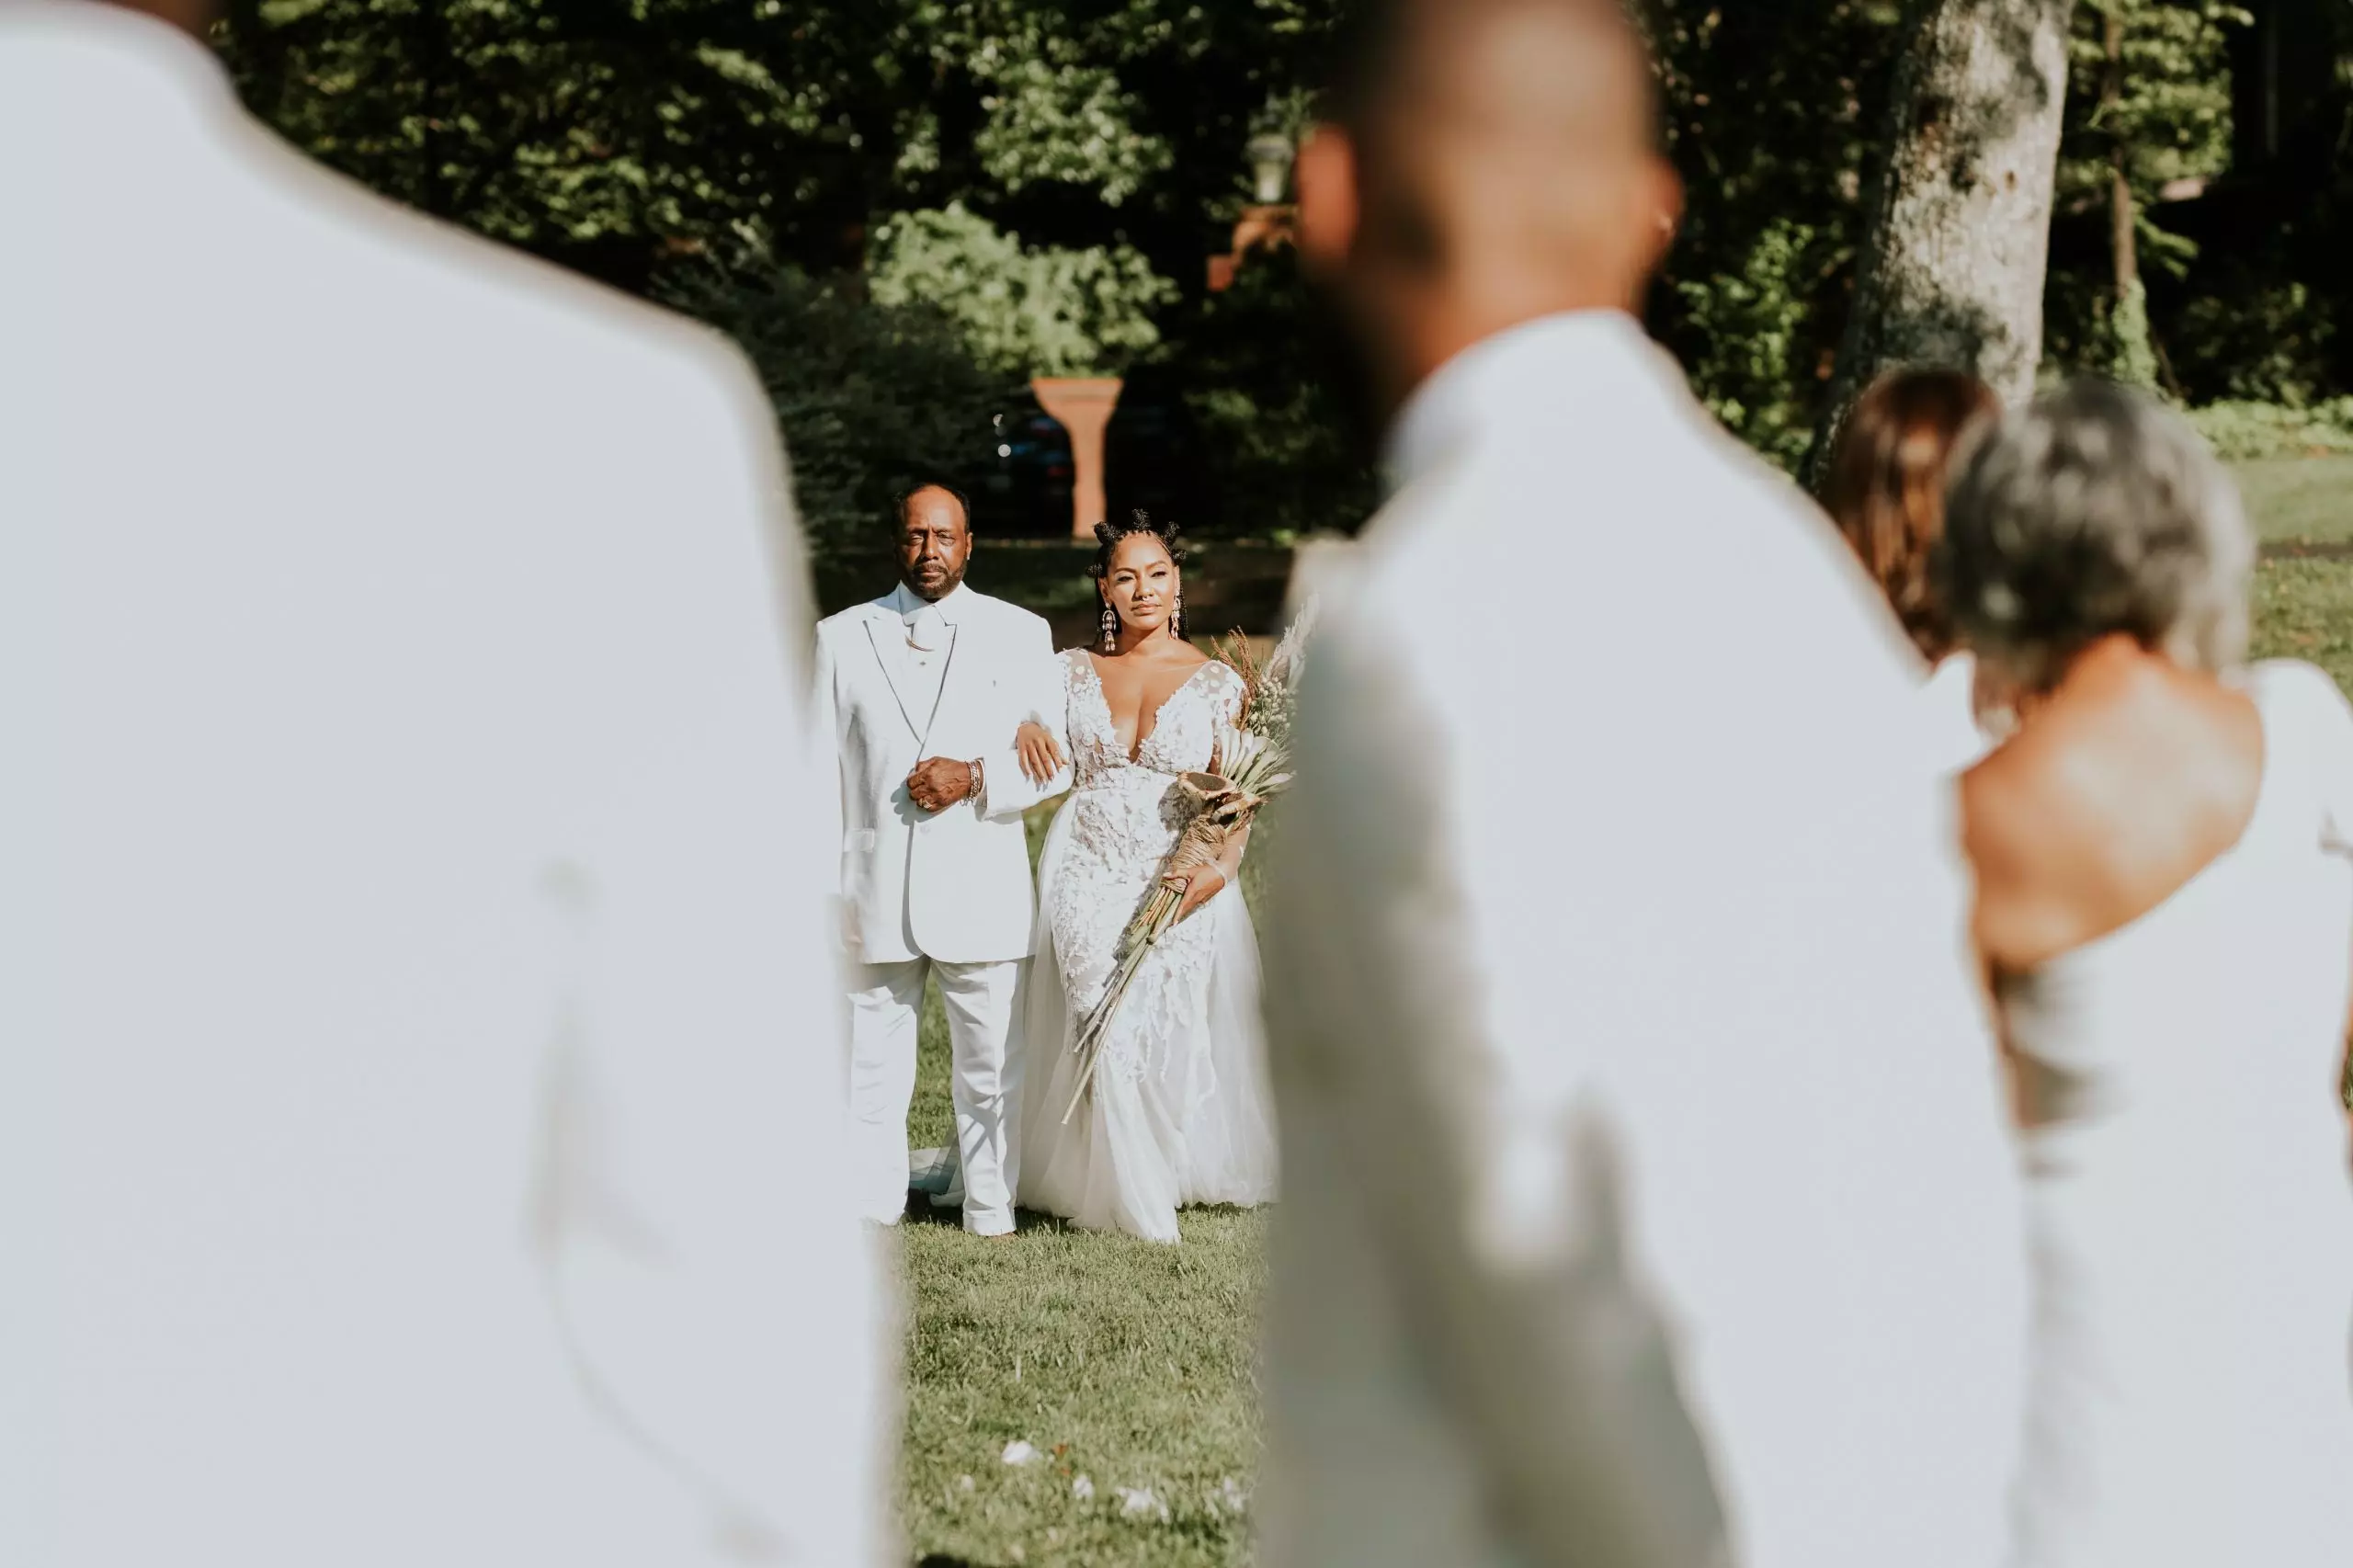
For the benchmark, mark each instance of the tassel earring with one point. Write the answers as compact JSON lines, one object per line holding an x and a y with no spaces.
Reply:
{"x":1176,"y":616}
{"x":1110,"y":629}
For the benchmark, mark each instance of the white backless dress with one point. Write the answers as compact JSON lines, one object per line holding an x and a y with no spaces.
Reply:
{"x":2191,"y":1200}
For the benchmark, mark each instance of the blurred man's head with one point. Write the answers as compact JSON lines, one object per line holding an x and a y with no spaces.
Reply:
{"x":195,"y":15}
{"x":933,"y":540}
{"x":1483,"y":163}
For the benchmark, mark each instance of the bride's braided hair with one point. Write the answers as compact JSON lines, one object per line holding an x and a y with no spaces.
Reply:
{"x":1107,"y":536}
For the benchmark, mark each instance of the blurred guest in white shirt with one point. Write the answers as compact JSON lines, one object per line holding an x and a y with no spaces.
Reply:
{"x":1886,"y":491}
{"x":420,"y":1080}
{"x":1648,"y":1199}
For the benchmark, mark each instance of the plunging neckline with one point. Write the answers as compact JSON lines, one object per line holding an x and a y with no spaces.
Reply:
{"x":1103,"y":701}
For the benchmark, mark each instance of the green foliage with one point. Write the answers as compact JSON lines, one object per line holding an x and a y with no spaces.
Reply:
{"x":633,"y":138}
{"x":869,"y":397}
{"x":1773,"y":116}
{"x":2255,"y":336}
{"x":1038,"y":183}
{"x":619,"y":132}
{"x":1286,"y":458}
{"x":2240,"y":430}
{"x":2166,"y":115}
{"x":1752,"y":324}
{"x":605,"y":132}
{"x":1055,"y":115}
{"x":2173,"y":114}
{"x":1040,"y":311}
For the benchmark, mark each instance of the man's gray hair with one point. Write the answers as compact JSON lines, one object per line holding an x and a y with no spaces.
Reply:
{"x":2094,"y":511}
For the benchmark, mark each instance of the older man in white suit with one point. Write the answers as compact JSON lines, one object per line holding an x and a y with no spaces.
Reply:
{"x":1648,"y":1203}
{"x":918,"y":696}
{"x":416,"y":1143}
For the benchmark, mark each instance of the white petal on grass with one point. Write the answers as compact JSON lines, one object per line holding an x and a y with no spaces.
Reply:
{"x":1021,"y":1452}
{"x":963,"y":1483}
{"x":1082,"y":1489}
{"x":1139,"y":1501}
{"x":1230,"y":1496}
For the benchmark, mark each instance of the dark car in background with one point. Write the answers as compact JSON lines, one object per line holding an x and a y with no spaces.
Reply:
{"x":1027,"y":493}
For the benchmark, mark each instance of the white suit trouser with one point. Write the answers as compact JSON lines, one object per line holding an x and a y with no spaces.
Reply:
{"x":886,"y":1003}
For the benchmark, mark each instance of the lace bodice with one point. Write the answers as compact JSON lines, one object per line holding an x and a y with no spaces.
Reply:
{"x":1127,"y":812}
{"x":1183,"y":734}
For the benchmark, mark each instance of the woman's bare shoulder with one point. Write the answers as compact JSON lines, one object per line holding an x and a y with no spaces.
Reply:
{"x":2096,"y":813}
{"x":1181,"y":660}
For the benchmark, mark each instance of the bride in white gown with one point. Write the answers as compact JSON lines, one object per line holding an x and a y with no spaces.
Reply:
{"x":1178,"y":1112}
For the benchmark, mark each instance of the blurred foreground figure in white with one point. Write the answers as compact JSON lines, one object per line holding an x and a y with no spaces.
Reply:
{"x":421,"y":1072}
{"x":2165,"y":868}
{"x":1649,"y":1200}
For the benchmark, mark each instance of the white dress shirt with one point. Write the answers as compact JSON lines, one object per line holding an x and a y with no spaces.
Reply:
{"x":928,"y":638}
{"x":1647,"y":1197}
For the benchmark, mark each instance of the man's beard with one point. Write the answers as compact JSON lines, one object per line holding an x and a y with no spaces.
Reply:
{"x":948,"y":584}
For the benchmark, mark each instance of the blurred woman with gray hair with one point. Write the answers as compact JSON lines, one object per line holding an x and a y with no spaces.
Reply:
{"x":2163,"y":852}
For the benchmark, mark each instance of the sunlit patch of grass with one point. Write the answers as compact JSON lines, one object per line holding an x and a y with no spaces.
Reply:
{"x":1123,"y":1363}
{"x":2303,"y":609}
{"x":1127,"y":1364}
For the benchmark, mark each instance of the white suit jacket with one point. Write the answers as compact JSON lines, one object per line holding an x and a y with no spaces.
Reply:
{"x":1647,"y":1197}
{"x":954,"y":886}
{"x":418,"y":1141}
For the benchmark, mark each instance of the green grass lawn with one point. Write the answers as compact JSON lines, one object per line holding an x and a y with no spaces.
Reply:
{"x":1132,"y":1364}
{"x":2303,"y":508}
{"x":1120,"y":1361}
{"x":2299,"y":498}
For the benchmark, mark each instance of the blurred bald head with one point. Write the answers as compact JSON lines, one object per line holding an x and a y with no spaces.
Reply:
{"x":194,"y":16}
{"x":1483,"y":163}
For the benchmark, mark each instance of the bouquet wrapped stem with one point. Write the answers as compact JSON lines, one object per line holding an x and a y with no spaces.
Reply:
{"x":1225,"y":799}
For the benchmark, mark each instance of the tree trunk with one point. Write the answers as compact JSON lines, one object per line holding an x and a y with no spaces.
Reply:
{"x":1959,"y":231}
{"x":2134,"y":357}
{"x":2123,"y":245}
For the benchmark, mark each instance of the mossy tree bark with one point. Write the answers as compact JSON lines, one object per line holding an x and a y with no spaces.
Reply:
{"x":1958,"y":233}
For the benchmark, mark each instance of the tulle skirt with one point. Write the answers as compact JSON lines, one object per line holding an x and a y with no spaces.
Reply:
{"x":1186,"y":1119}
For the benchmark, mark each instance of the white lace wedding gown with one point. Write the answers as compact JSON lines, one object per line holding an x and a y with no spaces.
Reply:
{"x":1179,"y":1112}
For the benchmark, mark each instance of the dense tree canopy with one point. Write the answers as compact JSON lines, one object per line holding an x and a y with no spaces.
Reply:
{"x":1033,"y":186}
